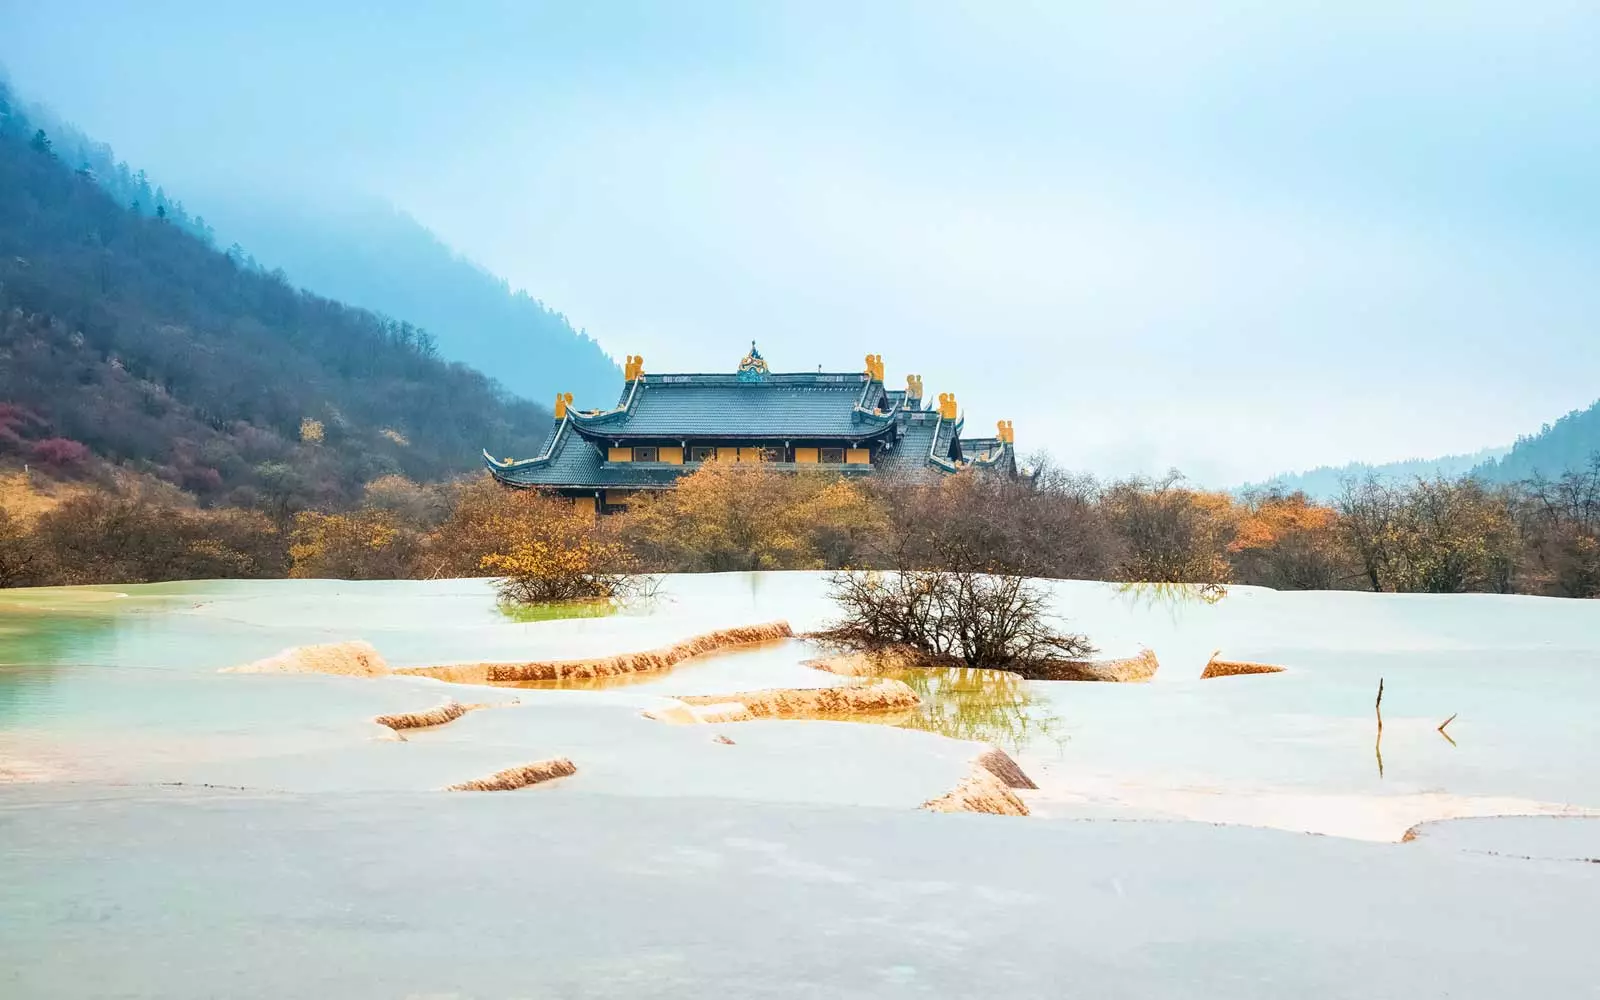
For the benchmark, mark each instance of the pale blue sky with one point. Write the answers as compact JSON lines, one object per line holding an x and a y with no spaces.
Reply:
{"x":1238,"y":239}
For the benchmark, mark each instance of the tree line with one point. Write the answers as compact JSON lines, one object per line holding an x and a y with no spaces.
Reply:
{"x":1441,"y":535}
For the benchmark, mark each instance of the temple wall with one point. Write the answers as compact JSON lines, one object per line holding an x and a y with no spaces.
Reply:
{"x":672,"y":456}
{"x":807,"y":456}
{"x":858,"y":456}
{"x":619,"y":454}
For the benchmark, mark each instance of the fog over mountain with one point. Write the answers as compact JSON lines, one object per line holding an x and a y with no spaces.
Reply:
{"x":1230,"y":238}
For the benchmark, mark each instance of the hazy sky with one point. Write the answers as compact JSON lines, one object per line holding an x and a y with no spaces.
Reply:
{"x":1240,"y":240}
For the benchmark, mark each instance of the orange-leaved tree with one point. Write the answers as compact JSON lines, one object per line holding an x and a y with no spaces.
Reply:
{"x":368,"y":543}
{"x":545,"y":549}
{"x":747,"y":516}
{"x":1289,"y":542}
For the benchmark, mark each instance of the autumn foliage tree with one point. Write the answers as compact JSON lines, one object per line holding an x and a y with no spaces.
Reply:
{"x":1288,"y":542}
{"x":744,"y":516}
{"x":1442,"y":536}
{"x":368,"y":543}
{"x":1170,"y":532}
{"x":544,"y":549}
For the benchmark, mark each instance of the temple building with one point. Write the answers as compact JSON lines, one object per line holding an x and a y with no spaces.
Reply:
{"x":665,"y":426}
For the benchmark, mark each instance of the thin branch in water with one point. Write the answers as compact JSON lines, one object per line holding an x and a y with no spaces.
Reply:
{"x":1377,"y":746}
{"x":1446,"y":723}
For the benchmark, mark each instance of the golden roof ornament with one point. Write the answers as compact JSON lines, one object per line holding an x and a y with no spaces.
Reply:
{"x":753,"y":367}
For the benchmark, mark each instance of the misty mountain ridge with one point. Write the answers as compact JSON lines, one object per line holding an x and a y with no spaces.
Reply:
{"x":1325,"y":481}
{"x":130,"y":339}
{"x":364,"y":253}
{"x":370,"y":254}
{"x":1568,"y":445}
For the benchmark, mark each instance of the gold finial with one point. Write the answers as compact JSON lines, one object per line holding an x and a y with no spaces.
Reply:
{"x":947,"y":405}
{"x":1007,"y":434}
{"x":634,"y":368}
{"x":914,"y":386}
{"x":563,"y":400}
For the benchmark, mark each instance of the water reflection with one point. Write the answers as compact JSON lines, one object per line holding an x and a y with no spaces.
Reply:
{"x":1152,"y":594}
{"x":991,"y":706}
{"x":524,"y":613}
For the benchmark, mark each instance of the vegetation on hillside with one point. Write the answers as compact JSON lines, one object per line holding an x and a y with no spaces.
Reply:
{"x":124,"y":338}
{"x":1326,"y":481}
{"x":1564,"y":446}
{"x":365,"y":254}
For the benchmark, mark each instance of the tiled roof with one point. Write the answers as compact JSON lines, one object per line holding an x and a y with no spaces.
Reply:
{"x":781,"y":406}
{"x":570,"y":461}
{"x":916,"y":442}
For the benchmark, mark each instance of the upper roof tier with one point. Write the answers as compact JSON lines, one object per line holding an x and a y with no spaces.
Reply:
{"x":760,"y":405}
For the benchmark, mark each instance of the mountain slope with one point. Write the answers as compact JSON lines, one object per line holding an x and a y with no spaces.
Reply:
{"x":1325,"y":482}
{"x":139,"y":340}
{"x":365,"y":254}
{"x":370,"y":255}
{"x":1567,"y":445}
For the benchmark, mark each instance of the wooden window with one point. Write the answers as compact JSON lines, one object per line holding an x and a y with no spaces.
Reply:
{"x":831,"y":456}
{"x":645,"y":455}
{"x":700,"y":453}
{"x":772,"y":454}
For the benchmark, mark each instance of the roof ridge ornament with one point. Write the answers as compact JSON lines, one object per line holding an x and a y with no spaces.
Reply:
{"x":753,"y":367}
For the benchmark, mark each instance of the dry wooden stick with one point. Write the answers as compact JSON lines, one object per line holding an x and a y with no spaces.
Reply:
{"x":1377,"y":745}
{"x":1446,"y":723}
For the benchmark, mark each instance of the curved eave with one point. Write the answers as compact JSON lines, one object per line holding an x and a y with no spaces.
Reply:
{"x":867,"y":416}
{"x":994,"y":458}
{"x":581,"y":420}
{"x":937,"y":460}
{"x":498,"y":466}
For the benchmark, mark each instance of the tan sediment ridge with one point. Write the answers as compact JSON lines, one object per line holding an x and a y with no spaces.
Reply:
{"x":1128,"y":670}
{"x":351,"y":659}
{"x":871,"y":662}
{"x":450,"y":711}
{"x":1233,"y":668}
{"x":522,"y":776}
{"x":999,"y":763}
{"x":874,"y":696}
{"x":649,"y":660}
{"x":360,"y":659}
{"x":979,"y":792}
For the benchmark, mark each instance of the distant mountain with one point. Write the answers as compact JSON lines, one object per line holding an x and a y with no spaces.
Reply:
{"x":1567,"y":445}
{"x":366,"y":254}
{"x":132,"y":338}
{"x":1325,"y":482}
{"x":371,"y":255}
{"x":96,"y":161}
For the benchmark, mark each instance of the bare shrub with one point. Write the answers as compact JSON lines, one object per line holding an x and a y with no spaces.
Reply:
{"x":979,"y":619}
